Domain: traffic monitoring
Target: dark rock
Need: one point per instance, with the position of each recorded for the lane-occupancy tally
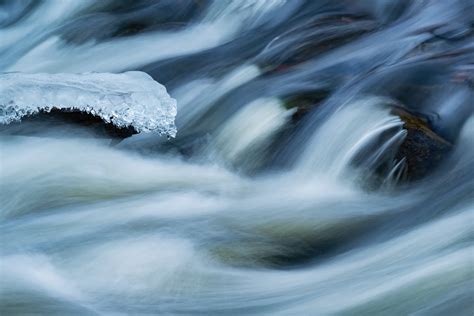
(311, 39)
(304, 102)
(68, 122)
(422, 148)
(127, 18)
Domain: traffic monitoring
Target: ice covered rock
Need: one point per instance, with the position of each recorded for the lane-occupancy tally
(131, 99)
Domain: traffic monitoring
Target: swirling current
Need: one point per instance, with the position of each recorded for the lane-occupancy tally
(323, 162)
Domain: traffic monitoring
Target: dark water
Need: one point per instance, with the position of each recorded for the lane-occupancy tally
(257, 207)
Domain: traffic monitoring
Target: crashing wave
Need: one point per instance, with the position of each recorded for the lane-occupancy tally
(130, 99)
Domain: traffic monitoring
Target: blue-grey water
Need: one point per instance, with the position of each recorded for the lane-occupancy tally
(256, 207)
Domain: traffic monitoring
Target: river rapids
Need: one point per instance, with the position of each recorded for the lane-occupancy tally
(323, 162)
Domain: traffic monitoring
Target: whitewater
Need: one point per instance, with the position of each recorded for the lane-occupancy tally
(287, 157)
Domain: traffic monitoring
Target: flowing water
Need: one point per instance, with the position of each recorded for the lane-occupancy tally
(256, 207)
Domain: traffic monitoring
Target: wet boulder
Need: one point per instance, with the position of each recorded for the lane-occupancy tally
(60, 122)
(422, 149)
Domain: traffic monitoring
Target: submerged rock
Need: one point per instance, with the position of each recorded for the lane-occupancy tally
(313, 38)
(420, 152)
(303, 103)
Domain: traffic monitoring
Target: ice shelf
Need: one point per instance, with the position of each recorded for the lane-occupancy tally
(130, 99)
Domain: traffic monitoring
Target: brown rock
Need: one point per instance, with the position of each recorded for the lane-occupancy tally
(422, 148)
